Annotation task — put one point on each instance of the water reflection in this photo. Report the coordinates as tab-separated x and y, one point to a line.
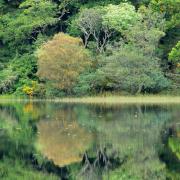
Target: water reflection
62	139
65	134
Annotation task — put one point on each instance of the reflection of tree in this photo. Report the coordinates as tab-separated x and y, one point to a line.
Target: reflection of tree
17	145
66	132
5	116
131	131
62	139
172	136
34	110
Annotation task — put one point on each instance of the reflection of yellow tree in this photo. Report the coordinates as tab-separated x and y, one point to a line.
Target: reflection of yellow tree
28	107
62	139
33	109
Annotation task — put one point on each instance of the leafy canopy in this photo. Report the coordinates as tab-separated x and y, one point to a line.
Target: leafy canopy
170	8
61	60
129	69
30	15
147	32
120	17
174	56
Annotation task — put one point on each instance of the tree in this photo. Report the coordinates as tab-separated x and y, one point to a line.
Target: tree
147	32
170	8
174	56
31	17
90	22
101	22
130	70
120	17
61	60
140	2
87	83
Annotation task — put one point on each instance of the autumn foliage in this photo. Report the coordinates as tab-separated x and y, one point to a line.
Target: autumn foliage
61	60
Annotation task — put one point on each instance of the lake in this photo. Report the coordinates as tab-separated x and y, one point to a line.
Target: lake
46	140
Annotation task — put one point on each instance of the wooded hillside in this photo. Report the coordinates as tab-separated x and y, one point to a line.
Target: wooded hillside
85	47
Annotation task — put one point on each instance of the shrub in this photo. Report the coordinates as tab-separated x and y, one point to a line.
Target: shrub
129	69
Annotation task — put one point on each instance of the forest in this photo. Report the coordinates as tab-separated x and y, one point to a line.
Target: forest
55	48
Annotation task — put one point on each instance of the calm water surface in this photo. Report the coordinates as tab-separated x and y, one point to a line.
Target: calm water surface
72	141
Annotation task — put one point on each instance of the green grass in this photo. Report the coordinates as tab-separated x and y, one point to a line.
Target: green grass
123	100
9	97
140	99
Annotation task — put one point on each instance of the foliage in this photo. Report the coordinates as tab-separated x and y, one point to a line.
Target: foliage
34	89
61	60
149	25
171	10
24	65
144	37
100	22
86	83
28	90
128	69
30	16
7	85
90	23
147	32
174	55
21	21
120	17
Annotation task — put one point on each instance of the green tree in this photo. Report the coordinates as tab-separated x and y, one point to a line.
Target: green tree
130	70
100	22
30	16
170	8
120	17
20	24
147	32
90	23
61	60
86	83
174	56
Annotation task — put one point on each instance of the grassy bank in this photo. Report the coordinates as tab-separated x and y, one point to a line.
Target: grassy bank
123	100
151	99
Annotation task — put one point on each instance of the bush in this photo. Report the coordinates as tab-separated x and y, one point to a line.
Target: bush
85	83
174	56
34	89
129	69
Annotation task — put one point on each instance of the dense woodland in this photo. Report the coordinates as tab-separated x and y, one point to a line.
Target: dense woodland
86	47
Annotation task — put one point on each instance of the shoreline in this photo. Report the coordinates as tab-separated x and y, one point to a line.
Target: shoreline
103	100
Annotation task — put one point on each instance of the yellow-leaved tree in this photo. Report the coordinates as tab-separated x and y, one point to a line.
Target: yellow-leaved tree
61	60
